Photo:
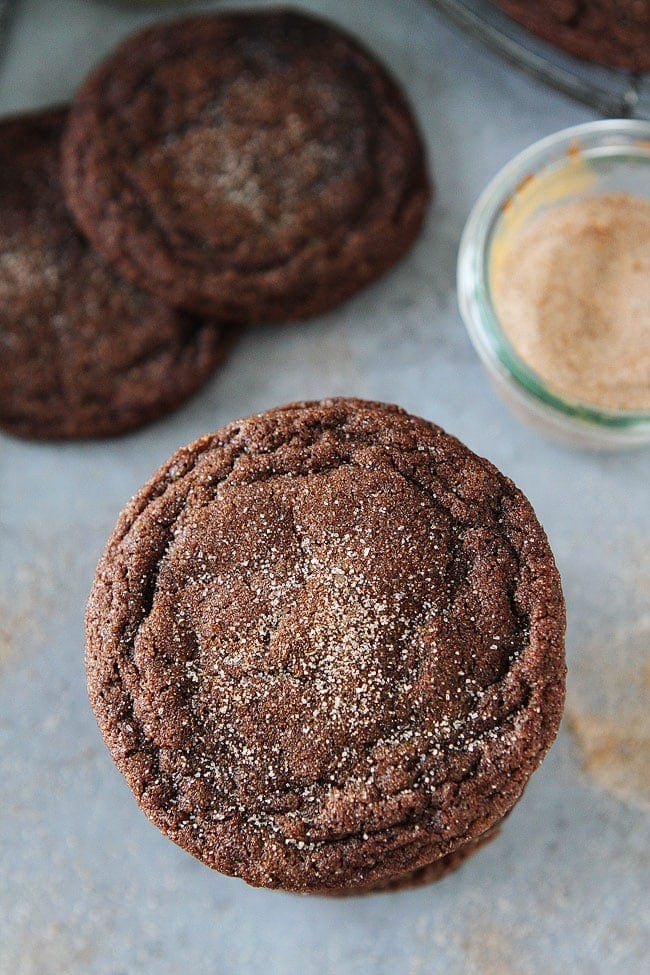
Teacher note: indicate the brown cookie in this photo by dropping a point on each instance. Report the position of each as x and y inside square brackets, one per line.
[84, 353]
[325, 646]
[429, 874]
[609, 32]
[256, 166]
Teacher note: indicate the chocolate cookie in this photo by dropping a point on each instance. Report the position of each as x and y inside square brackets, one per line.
[610, 32]
[255, 166]
[325, 646]
[84, 354]
[429, 874]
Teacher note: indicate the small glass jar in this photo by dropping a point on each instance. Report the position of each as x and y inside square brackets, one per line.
[586, 160]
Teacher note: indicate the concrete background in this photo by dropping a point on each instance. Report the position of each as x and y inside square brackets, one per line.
[87, 885]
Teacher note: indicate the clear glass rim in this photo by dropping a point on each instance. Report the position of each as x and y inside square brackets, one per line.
[615, 137]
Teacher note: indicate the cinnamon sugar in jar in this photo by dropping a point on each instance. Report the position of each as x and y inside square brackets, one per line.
[573, 297]
[554, 284]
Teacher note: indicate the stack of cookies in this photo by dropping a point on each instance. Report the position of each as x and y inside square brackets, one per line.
[212, 172]
[325, 646]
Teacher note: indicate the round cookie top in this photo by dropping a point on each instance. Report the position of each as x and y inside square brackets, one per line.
[84, 354]
[254, 166]
[325, 646]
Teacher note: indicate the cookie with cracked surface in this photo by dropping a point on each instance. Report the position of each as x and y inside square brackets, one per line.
[84, 353]
[609, 32]
[325, 646]
[256, 167]
[428, 874]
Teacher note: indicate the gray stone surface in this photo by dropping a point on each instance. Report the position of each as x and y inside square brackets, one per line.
[87, 885]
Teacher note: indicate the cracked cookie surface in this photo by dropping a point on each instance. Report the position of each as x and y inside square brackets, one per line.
[250, 166]
[84, 353]
[325, 646]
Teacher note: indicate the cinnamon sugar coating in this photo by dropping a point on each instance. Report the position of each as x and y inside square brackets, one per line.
[83, 353]
[255, 167]
[325, 646]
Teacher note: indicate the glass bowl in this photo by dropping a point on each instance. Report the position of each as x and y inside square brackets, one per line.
[586, 160]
